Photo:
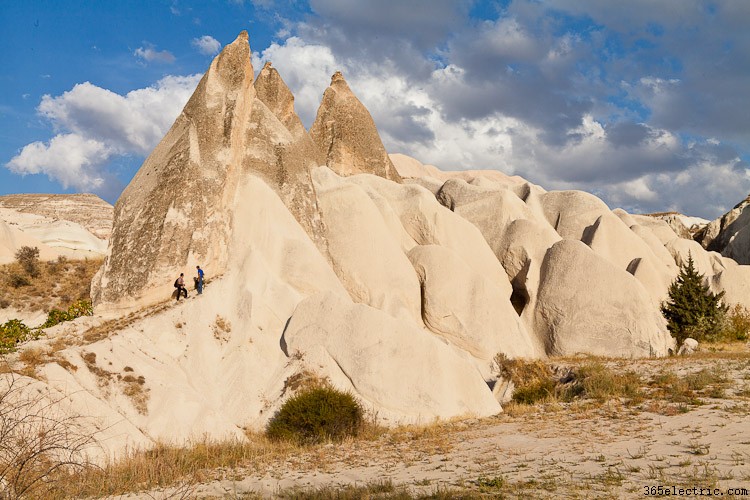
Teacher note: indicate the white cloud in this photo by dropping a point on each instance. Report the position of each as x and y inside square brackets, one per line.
[95, 125]
[70, 159]
[206, 45]
[150, 54]
[133, 123]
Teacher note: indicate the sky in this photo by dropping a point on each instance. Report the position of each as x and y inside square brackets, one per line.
[645, 103]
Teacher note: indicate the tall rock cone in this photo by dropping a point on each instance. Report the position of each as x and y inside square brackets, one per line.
[275, 94]
[285, 162]
[177, 211]
[345, 132]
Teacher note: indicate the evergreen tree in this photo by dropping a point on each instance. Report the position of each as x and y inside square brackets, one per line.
[692, 309]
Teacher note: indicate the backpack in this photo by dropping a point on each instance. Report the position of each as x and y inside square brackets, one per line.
[176, 284]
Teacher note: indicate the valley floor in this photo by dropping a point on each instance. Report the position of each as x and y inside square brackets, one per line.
[584, 449]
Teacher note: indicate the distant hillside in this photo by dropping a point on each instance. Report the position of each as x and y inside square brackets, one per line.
[88, 210]
[75, 226]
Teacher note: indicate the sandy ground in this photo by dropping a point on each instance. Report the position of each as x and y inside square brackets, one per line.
[575, 450]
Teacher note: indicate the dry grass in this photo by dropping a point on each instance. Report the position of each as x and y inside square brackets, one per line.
[384, 489]
[106, 328]
[304, 380]
[31, 359]
[59, 283]
[688, 389]
[167, 465]
[135, 388]
[221, 328]
[540, 381]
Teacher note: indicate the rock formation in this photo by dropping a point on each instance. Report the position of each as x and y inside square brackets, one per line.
[324, 263]
[273, 92]
[86, 210]
[74, 226]
[674, 220]
[729, 234]
[177, 211]
[346, 134]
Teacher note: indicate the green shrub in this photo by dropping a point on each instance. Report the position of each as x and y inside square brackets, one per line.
[317, 415]
[28, 257]
[692, 309]
[13, 332]
[76, 310]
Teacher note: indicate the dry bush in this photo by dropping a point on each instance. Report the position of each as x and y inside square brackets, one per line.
[38, 442]
[28, 258]
[736, 327]
[533, 379]
[522, 371]
[56, 285]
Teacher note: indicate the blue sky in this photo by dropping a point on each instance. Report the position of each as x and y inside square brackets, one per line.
[644, 103]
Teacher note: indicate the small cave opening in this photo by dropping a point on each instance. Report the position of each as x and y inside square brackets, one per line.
[519, 298]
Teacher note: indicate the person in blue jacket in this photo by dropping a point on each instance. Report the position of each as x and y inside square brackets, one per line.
[200, 280]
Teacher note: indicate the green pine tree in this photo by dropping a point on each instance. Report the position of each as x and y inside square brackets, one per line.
[692, 309]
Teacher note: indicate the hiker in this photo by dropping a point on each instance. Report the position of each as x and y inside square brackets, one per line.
[179, 284]
[199, 282]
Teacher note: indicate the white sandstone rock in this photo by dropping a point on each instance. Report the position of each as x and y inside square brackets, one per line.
[403, 371]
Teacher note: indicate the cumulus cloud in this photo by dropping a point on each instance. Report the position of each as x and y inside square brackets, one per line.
[70, 159]
[95, 125]
[642, 104]
[395, 17]
[148, 53]
[642, 94]
[453, 121]
[206, 45]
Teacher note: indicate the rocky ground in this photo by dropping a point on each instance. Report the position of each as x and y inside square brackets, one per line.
[670, 435]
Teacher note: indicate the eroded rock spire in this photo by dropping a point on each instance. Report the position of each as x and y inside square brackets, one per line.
[346, 134]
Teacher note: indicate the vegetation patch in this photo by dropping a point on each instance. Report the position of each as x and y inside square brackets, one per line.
[687, 389]
[135, 388]
[54, 284]
[167, 465]
[38, 443]
[14, 332]
[384, 489]
[538, 382]
[79, 308]
[693, 311]
[221, 328]
[317, 415]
